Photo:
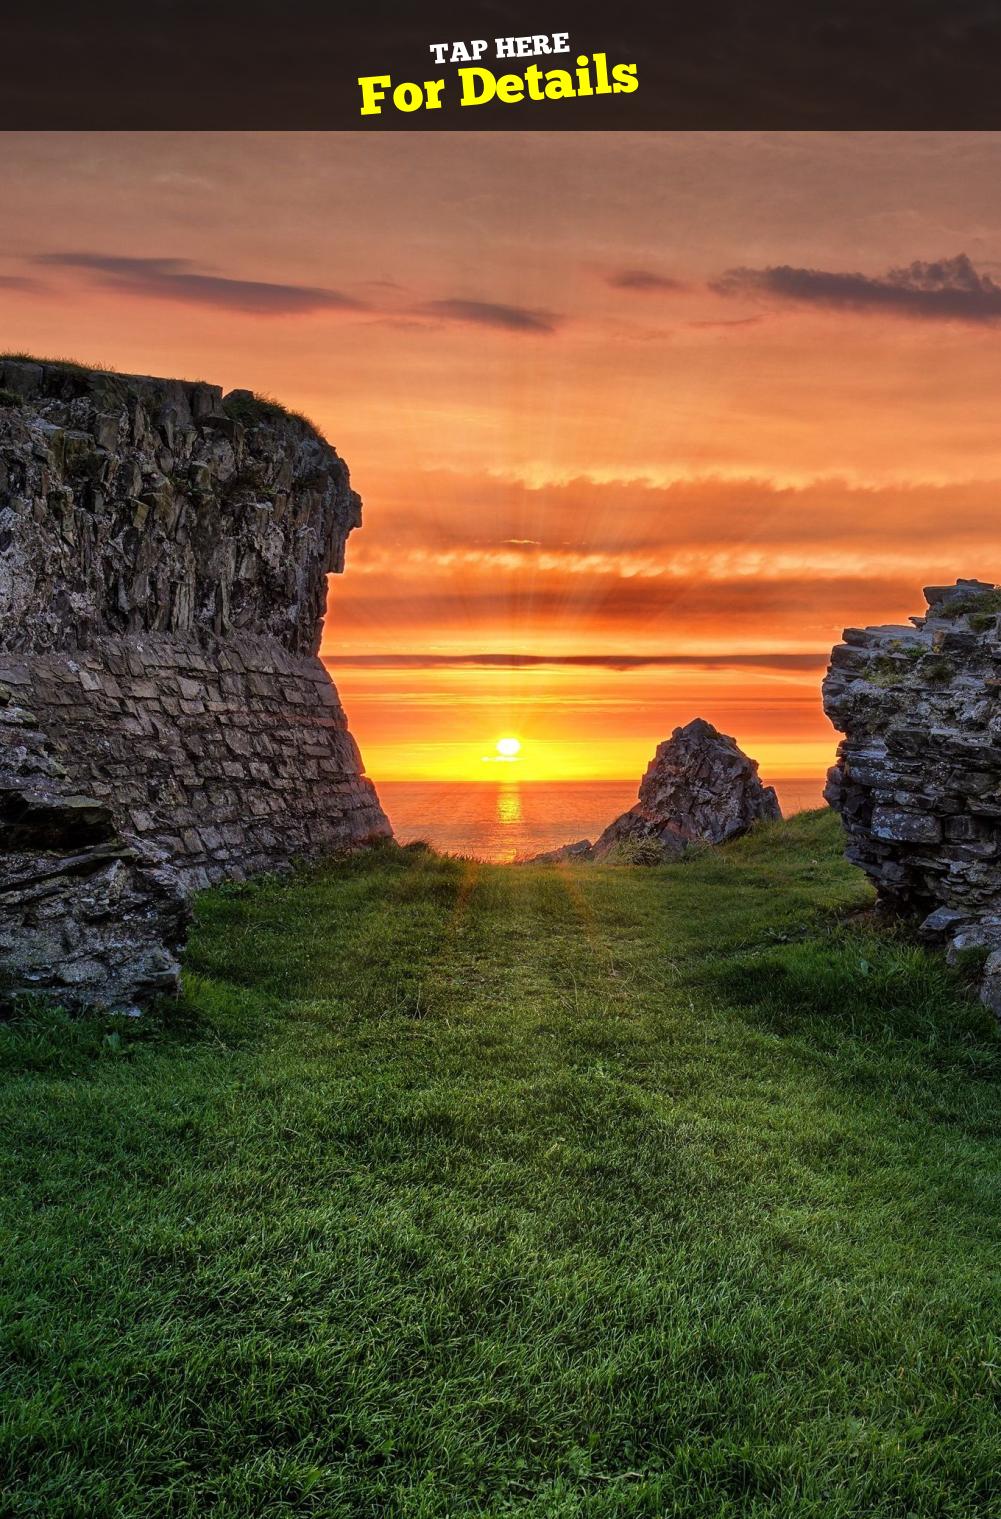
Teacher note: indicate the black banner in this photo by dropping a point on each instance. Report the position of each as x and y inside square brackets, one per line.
[235, 64]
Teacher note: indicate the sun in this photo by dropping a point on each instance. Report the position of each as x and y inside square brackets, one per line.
[506, 752]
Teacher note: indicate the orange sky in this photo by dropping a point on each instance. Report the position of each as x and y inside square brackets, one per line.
[578, 435]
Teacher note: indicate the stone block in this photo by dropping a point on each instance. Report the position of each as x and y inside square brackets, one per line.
[942, 923]
[902, 827]
[990, 983]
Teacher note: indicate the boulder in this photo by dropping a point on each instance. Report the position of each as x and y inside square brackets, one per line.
[699, 787]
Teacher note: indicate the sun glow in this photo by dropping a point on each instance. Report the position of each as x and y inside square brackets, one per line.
[506, 752]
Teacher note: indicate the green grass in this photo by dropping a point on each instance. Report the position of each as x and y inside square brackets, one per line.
[254, 408]
[983, 602]
[75, 367]
[461, 1190]
[72, 366]
[248, 409]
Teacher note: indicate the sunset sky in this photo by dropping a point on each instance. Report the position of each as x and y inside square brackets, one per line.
[663, 413]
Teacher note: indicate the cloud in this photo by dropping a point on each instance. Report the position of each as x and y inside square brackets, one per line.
[731, 516]
[740, 321]
[948, 289]
[179, 279]
[494, 314]
[499, 606]
[176, 279]
[644, 281]
[765, 661]
[19, 282]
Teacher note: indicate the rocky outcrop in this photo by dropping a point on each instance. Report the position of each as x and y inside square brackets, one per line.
[165, 722]
[918, 777]
[580, 852]
[698, 788]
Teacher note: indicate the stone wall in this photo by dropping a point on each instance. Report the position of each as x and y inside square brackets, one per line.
[165, 722]
[918, 778]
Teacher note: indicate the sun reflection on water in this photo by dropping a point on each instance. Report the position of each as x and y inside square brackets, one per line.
[509, 804]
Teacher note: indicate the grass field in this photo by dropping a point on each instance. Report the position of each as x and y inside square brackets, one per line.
[458, 1189]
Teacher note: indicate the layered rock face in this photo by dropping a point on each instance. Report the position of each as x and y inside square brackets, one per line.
[699, 787]
[918, 778]
[165, 722]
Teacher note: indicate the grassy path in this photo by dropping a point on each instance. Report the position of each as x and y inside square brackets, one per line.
[463, 1190]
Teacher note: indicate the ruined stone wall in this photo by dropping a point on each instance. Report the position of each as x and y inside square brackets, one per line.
[164, 718]
[918, 778]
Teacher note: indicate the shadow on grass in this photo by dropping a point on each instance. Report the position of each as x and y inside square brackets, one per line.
[333, 940]
[43, 1037]
[354, 932]
[856, 989]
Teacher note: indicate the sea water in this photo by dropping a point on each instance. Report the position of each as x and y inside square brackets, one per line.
[506, 820]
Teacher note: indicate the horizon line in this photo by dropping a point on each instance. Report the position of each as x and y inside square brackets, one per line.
[777, 661]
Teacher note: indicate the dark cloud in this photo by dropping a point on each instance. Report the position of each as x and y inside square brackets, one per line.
[608, 600]
[596, 661]
[948, 289]
[19, 282]
[176, 279]
[494, 314]
[740, 321]
[620, 517]
[729, 65]
[645, 281]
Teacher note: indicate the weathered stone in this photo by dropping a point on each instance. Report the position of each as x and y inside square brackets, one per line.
[157, 643]
[698, 788]
[973, 944]
[918, 778]
[576, 853]
[990, 983]
[942, 924]
[905, 827]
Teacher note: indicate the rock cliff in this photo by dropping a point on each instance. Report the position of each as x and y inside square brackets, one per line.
[165, 722]
[699, 787]
[918, 778]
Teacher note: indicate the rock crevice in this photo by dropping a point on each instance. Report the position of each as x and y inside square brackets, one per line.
[165, 722]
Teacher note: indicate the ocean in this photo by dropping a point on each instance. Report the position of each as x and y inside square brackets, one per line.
[505, 820]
